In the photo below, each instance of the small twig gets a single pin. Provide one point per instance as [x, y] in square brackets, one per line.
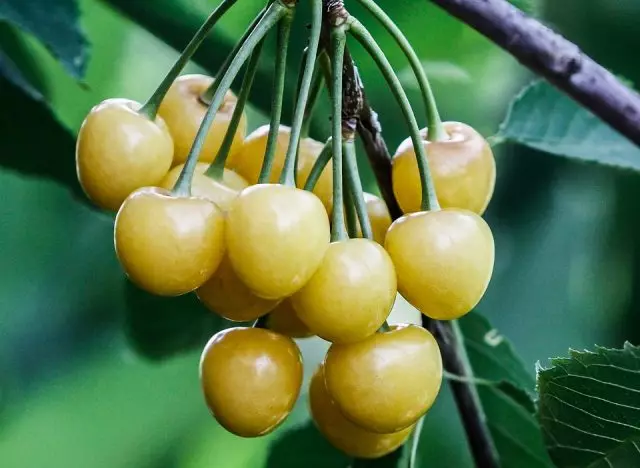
[555, 58]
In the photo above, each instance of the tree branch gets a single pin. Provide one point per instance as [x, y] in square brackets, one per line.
[555, 58]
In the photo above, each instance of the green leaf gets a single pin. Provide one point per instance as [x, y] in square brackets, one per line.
[589, 407]
[543, 118]
[56, 25]
[11, 72]
[447, 72]
[46, 150]
[161, 327]
[507, 403]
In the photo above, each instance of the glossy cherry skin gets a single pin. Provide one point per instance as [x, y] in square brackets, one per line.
[351, 294]
[462, 167]
[276, 238]
[168, 245]
[443, 259]
[119, 151]
[251, 379]
[248, 161]
[222, 193]
[342, 433]
[284, 320]
[183, 111]
[230, 298]
[387, 382]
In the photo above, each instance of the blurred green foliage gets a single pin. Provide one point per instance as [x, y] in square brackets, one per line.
[74, 394]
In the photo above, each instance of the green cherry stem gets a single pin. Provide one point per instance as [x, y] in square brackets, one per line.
[275, 12]
[316, 86]
[207, 94]
[289, 169]
[150, 108]
[338, 43]
[216, 168]
[350, 211]
[319, 165]
[429, 199]
[355, 187]
[436, 129]
[415, 441]
[284, 29]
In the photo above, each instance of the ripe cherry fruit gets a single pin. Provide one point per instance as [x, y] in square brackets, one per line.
[251, 379]
[463, 170]
[168, 245]
[230, 298]
[385, 383]
[119, 151]
[351, 293]
[248, 161]
[284, 320]
[219, 192]
[276, 238]
[183, 111]
[444, 260]
[342, 433]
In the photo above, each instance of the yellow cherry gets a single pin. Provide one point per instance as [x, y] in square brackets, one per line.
[183, 111]
[462, 167]
[379, 217]
[248, 161]
[276, 238]
[119, 151]
[443, 259]
[251, 379]
[220, 192]
[284, 320]
[168, 245]
[230, 298]
[385, 383]
[342, 433]
[351, 294]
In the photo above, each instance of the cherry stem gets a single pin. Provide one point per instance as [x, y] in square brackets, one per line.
[289, 170]
[436, 129]
[284, 28]
[207, 94]
[150, 108]
[355, 188]
[350, 211]
[415, 441]
[318, 166]
[275, 13]
[316, 86]
[216, 168]
[429, 199]
[338, 43]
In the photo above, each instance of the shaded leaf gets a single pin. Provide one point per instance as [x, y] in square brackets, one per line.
[161, 327]
[508, 404]
[543, 118]
[56, 25]
[590, 407]
[45, 149]
[11, 72]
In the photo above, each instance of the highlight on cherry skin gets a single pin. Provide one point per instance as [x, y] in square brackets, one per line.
[248, 161]
[251, 378]
[276, 238]
[463, 170]
[119, 150]
[362, 378]
[183, 110]
[221, 192]
[351, 293]
[443, 259]
[168, 245]
[342, 433]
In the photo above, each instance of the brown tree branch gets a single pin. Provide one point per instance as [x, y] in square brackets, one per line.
[555, 58]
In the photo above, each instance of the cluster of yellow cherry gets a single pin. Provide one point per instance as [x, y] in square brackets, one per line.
[262, 251]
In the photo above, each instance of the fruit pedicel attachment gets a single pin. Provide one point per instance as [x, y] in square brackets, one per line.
[275, 228]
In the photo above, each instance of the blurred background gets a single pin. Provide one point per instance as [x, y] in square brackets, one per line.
[95, 374]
